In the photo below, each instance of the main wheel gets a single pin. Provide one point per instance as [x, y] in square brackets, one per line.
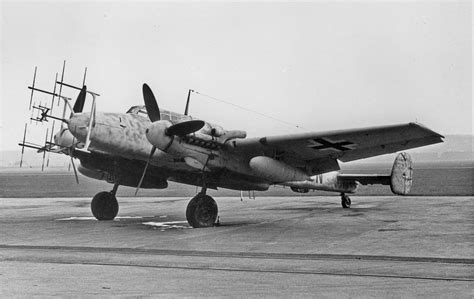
[345, 201]
[201, 211]
[104, 206]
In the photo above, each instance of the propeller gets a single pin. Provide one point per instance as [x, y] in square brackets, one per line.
[71, 153]
[184, 128]
[75, 170]
[179, 129]
[150, 103]
[144, 170]
[162, 129]
[81, 98]
[44, 152]
[154, 114]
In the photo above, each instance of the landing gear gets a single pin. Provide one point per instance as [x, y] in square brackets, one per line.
[345, 201]
[201, 210]
[104, 205]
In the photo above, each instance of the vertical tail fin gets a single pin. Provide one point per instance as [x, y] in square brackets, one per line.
[401, 178]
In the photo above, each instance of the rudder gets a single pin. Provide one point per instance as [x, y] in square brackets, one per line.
[401, 178]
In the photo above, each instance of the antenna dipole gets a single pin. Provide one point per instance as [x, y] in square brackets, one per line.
[62, 79]
[34, 79]
[60, 90]
[54, 93]
[23, 146]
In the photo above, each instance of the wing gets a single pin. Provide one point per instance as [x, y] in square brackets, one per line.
[318, 152]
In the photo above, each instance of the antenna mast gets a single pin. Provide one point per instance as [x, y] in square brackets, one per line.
[187, 102]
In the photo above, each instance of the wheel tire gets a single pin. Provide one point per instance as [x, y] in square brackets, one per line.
[104, 206]
[201, 211]
[346, 202]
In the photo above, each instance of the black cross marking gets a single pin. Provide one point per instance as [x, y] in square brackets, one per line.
[326, 144]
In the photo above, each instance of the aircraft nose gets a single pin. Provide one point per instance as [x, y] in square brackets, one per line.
[64, 138]
[156, 135]
[78, 124]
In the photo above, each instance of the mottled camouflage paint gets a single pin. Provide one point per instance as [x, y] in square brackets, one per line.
[124, 135]
[401, 178]
[119, 134]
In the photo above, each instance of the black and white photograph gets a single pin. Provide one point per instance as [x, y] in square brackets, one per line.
[243, 149]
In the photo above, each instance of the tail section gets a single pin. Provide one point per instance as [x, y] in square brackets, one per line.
[401, 177]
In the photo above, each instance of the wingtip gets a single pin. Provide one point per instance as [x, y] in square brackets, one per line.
[420, 125]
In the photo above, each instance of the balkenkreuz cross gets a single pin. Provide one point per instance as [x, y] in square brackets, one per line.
[321, 144]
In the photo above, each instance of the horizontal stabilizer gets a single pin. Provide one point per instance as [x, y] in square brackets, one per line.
[400, 180]
[365, 179]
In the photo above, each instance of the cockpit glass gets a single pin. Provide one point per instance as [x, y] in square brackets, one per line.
[165, 115]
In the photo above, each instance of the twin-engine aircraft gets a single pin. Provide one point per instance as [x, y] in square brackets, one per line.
[147, 147]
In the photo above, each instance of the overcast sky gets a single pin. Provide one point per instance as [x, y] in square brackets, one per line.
[320, 65]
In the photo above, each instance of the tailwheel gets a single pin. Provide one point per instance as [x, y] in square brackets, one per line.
[345, 201]
[201, 211]
[104, 206]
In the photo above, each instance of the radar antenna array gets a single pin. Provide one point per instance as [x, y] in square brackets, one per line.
[42, 113]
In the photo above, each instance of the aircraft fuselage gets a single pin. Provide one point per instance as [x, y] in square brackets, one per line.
[125, 135]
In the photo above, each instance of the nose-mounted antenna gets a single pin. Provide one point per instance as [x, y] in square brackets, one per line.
[44, 112]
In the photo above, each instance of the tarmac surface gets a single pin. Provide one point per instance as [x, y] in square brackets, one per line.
[270, 246]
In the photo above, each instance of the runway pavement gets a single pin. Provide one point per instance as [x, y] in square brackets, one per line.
[272, 246]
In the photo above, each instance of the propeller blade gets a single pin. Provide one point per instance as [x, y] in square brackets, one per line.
[23, 146]
[71, 153]
[185, 128]
[51, 137]
[44, 152]
[144, 170]
[81, 98]
[75, 171]
[150, 103]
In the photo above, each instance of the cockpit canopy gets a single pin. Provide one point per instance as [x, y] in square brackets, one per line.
[208, 129]
[164, 114]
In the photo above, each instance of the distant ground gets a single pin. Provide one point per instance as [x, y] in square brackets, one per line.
[434, 179]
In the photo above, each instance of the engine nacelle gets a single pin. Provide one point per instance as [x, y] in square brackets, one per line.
[64, 138]
[401, 178]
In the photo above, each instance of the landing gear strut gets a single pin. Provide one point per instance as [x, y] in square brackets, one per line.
[201, 210]
[345, 201]
[104, 205]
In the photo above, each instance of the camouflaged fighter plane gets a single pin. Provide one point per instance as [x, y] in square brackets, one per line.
[147, 147]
